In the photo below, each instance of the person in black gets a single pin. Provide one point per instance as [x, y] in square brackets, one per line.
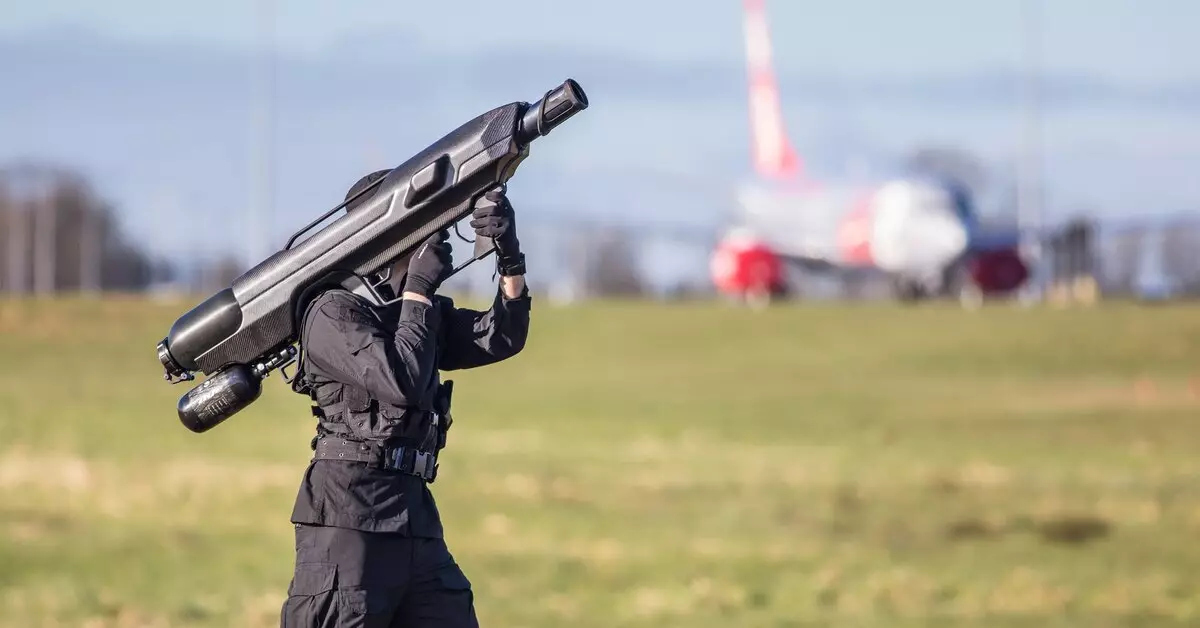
[369, 545]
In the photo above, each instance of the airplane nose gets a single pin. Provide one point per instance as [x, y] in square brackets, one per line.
[916, 230]
[943, 237]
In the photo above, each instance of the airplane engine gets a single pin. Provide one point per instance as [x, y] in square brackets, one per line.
[997, 271]
[744, 267]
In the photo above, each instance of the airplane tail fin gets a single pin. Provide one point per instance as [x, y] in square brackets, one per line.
[773, 154]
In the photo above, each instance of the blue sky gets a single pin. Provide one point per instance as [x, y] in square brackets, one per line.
[1127, 39]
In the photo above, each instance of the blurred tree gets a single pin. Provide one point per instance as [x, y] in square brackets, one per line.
[952, 164]
[991, 192]
[610, 265]
[60, 236]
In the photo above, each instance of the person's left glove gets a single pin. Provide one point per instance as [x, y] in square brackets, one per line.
[494, 218]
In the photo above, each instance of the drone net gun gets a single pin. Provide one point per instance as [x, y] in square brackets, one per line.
[239, 335]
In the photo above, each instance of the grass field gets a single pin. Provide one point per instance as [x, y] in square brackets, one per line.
[651, 465]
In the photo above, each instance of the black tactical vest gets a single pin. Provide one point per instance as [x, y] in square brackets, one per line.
[350, 412]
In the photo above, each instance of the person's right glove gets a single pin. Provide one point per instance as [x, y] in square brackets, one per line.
[494, 218]
[430, 265]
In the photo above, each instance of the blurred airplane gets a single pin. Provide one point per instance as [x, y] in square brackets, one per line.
[924, 233]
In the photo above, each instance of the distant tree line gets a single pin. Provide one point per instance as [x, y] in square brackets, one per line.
[59, 235]
[608, 265]
[1136, 256]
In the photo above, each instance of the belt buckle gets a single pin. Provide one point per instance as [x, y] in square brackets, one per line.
[397, 458]
[425, 465]
[420, 462]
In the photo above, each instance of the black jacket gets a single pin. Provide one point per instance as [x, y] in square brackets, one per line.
[393, 356]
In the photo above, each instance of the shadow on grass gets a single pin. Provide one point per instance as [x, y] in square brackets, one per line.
[1060, 529]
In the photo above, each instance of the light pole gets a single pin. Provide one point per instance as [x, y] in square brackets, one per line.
[1029, 185]
[263, 162]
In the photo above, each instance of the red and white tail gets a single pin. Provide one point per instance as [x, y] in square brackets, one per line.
[773, 154]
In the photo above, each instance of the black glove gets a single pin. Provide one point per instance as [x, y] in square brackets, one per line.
[430, 265]
[494, 218]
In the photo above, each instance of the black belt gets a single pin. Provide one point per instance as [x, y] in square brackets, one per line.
[410, 460]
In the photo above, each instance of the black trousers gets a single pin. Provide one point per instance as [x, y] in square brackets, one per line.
[351, 579]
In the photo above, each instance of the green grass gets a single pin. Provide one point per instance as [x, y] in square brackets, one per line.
[651, 465]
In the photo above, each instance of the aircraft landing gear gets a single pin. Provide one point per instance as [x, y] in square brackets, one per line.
[759, 297]
[907, 290]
